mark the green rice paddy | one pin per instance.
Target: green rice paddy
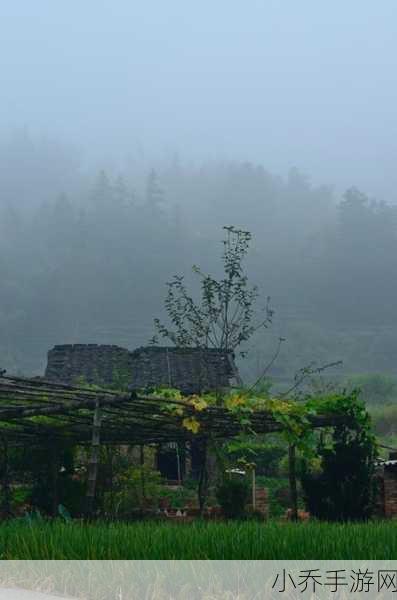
(224, 540)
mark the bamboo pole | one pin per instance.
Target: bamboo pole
(5, 484)
(178, 463)
(143, 483)
(253, 489)
(130, 418)
(203, 479)
(292, 481)
(94, 460)
(54, 478)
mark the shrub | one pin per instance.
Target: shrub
(344, 489)
(232, 496)
(178, 498)
(45, 495)
(137, 489)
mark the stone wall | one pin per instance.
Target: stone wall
(100, 364)
(189, 370)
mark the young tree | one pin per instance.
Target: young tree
(224, 317)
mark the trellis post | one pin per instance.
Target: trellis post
(253, 489)
(94, 460)
(54, 476)
(203, 477)
(5, 501)
(292, 481)
(142, 468)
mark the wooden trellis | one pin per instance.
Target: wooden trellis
(34, 411)
(129, 418)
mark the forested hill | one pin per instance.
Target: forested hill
(84, 258)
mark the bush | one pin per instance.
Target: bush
(344, 489)
(68, 491)
(232, 496)
(178, 498)
(137, 489)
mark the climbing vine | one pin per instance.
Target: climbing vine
(293, 416)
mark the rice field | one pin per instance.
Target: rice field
(234, 540)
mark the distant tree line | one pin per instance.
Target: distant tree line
(85, 258)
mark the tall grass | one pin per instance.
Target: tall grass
(234, 540)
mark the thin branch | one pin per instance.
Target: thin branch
(269, 365)
(306, 372)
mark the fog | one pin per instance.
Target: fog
(258, 114)
(286, 84)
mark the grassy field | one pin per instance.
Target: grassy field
(237, 540)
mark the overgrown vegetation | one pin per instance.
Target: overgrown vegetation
(232, 495)
(128, 484)
(224, 318)
(344, 489)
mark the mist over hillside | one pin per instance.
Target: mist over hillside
(131, 133)
(89, 259)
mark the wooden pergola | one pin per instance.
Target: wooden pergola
(129, 418)
(34, 411)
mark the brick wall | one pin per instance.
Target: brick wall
(390, 493)
(261, 501)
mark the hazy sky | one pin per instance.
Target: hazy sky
(286, 83)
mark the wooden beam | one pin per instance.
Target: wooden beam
(94, 461)
(292, 481)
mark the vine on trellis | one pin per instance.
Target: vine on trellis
(293, 416)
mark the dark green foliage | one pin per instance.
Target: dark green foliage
(64, 513)
(54, 479)
(232, 495)
(179, 498)
(345, 489)
(136, 488)
(71, 494)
